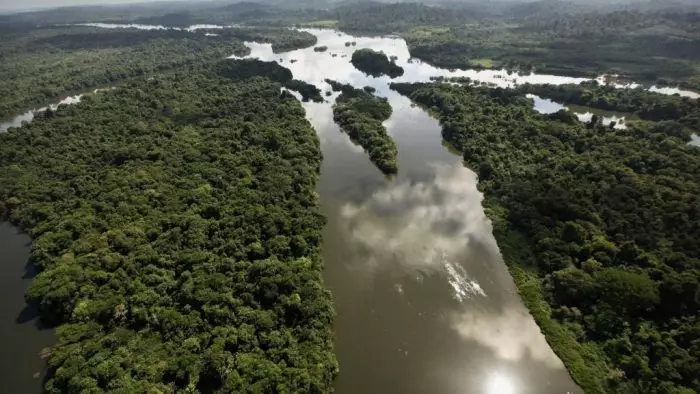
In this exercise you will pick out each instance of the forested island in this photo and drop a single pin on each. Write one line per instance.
(375, 63)
(599, 228)
(176, 227)
(360, 114)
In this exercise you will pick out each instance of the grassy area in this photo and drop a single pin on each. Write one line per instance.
(483, 63)
(328, 24)
(427, 31)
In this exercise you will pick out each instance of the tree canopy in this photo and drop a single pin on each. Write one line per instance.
(375, 63)
(360, 114)
(176, 227)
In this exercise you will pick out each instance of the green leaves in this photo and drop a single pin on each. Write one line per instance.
(375, 63)
(360, 114)
(194, 269)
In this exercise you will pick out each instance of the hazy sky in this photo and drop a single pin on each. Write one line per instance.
(7, 5)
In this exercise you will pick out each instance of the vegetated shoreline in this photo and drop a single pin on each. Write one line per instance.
(546, 275)
(121, 57)
(91, 309)
(361, 115)
(375, 63)
(513, 247)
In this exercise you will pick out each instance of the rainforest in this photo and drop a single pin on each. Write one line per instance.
(267, 197)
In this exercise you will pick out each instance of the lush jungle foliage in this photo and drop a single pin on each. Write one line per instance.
(248, 68)
(648, 46)
(44, 65)
(41, 66)
(360, 114)
(375, 63)
(176, 226)
(599, 227)
(648, 41)
(282, 39)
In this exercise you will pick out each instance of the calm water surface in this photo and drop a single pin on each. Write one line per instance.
(21, 337)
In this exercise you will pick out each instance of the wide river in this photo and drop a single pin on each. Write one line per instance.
(424, 301)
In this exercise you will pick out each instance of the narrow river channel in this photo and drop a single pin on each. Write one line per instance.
(424, 301)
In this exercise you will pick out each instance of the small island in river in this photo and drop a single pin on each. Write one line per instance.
(375, 63)
(360, 114)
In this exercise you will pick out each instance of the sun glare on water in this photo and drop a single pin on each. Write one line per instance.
(499, 384)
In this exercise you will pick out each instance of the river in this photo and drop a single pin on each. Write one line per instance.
(424, 300)
(22, 338)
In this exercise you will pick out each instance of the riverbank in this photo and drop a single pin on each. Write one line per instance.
(563, 195)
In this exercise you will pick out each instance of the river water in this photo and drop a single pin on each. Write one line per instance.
(424, 301)
(22, 339)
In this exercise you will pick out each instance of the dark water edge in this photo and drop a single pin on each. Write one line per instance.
(22, 337)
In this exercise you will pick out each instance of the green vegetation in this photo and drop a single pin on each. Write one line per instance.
(248, 68)
(642, 46)
(282, 39)
(41, 66)
(176, 226)
(375, 63)
(322, 48)
(324, 24)
(599, 227)
(360, 114)
(655, 42)
(393, 18)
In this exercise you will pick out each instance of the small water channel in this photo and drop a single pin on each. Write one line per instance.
(29, 115)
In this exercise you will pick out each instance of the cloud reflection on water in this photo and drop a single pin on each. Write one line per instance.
(423, 225)
(512, 335)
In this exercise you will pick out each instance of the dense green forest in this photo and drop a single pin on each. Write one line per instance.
(599, 228)
(360, 114)
(375, 63)
(41, 66)
(248, 68)
(642, 46)
(646, 42)
(176, 227)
